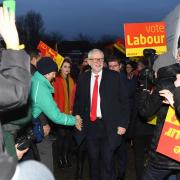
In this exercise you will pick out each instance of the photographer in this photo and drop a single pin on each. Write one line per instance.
(139, 131)
(151, 103)
(14, 80)
(15, 83)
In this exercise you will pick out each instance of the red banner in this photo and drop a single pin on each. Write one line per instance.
(46, 50)
(169, 142)
(49, 52)
(120, 45)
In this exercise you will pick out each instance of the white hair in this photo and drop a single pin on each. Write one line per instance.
(94, 51)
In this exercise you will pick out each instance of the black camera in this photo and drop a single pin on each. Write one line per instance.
(147, 75)
(147, 78)
(34, 134)
(26, 140)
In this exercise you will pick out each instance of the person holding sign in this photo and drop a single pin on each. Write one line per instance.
(174, 101)
(159, 166)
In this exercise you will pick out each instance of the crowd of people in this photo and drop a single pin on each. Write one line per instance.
(95, 115)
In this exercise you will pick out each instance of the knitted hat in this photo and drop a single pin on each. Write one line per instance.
(46, 65)
(168, 71)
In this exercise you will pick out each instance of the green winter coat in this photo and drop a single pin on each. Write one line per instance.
(17, 120)
(42, 101)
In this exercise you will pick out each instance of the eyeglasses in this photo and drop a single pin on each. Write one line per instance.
(113, 66)
(128, 67)
(97, 59)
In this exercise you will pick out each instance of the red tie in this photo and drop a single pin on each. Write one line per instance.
(94, 100)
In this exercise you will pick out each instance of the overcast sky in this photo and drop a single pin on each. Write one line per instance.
(95, 17)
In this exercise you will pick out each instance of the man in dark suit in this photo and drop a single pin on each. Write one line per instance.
(101, 101)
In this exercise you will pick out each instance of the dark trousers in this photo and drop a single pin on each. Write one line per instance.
(152, 173)
(141, 147)
(120, 159)
(81, 156)
(100, 152)
(100, 156)
(64, 141)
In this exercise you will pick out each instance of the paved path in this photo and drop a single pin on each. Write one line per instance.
(69, 173)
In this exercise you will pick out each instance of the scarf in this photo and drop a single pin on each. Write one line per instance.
(64, 92)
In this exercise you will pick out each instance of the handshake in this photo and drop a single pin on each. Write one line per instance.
(79, 123)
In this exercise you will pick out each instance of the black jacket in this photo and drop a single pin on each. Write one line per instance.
(177, 101)
(138, 125)
(14, 90)
(151, 104)
(114, 104)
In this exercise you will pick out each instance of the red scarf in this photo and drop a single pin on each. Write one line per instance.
(64, 101)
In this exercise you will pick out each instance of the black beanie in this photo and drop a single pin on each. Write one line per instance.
(168, 71)
(46, 65)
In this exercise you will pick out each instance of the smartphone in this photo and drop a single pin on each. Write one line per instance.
(10, 5)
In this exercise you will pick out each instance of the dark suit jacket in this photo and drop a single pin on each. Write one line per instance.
(114, 105)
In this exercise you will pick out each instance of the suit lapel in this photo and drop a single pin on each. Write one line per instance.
(102, 85)
(88, 82)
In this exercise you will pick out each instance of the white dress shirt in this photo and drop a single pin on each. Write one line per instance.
(98, 112)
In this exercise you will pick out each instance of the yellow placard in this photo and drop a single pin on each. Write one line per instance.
(169, 142)
(131, 52)
(172, 118)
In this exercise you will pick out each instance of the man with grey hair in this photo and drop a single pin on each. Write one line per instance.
(101, 100)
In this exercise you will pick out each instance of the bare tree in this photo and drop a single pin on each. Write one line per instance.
(83, 37)
(53, 39)
(21, 29)
(107, 38)
(31, 28)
